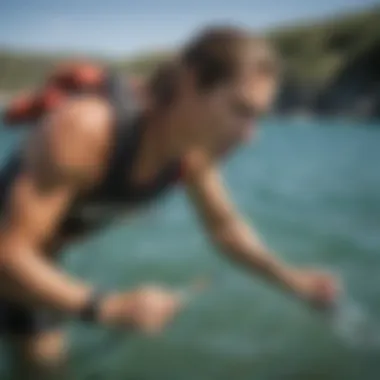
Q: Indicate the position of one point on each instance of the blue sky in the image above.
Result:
(119, 28)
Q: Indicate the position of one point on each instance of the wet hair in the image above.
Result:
(216, 55)
(163, 82)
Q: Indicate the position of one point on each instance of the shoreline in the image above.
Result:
(294, 117)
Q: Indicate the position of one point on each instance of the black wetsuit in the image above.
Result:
(108, 200)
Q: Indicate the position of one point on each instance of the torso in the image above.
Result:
(116, 194)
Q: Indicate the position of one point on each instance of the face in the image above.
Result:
(227, 115)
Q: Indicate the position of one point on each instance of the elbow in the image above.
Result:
(8, 270)
(14, 264)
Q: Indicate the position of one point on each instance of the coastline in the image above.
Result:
(297, 116)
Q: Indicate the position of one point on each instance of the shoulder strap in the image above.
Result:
(120, 93)
(129, 127)
(127, 132)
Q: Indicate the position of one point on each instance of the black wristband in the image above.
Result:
(90, 311)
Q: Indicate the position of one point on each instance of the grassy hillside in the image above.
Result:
(20, 70)
(315, 53)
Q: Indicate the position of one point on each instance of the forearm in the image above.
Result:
(238, 242)
(31, 279)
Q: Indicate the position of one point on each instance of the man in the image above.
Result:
(96, 150)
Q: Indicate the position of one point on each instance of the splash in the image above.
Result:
(354, 324)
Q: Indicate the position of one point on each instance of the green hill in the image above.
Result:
(18, 70)
(316, 55)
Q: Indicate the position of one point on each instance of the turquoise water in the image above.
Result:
(313, 192)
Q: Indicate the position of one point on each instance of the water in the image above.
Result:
(313, 192)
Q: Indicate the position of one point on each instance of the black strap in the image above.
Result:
(127, 130)
(121, 95)
(90, 312)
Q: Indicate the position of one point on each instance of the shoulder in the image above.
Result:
(84, 123)
(75, 137)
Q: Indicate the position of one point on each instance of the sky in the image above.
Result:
(121, 28)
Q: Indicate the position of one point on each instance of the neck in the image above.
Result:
(163, 127)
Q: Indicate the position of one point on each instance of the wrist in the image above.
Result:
(291, 280)
(116, 309)
(91, 308)
(284, 275)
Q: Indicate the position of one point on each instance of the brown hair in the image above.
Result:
(163, 82)
(216, 54)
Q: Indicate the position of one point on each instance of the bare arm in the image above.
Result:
(232, 234)
(57, 165)
(66, 157)
(226, 226)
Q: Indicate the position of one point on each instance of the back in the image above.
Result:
(116, 192)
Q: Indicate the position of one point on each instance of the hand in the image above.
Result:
(318, 288)
(148, 309)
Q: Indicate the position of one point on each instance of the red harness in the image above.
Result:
(64, 81)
